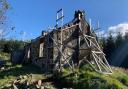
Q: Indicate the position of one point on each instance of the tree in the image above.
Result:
(12, 45)
(126, 36)
(4, 6)
(102, 43)
(109, 47)
(119, 40)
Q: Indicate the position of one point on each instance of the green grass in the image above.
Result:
(88, 79)
(12, 72)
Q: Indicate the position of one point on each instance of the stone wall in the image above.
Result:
(72, 43)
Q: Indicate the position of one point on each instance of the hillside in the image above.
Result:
(89, 79)
(30, 76)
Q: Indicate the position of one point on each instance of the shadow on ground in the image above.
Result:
(18, 70)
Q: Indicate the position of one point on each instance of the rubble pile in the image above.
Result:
(28, 82)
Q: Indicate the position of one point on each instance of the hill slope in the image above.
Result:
(86, 78)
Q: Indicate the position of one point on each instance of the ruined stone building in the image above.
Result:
(66, 46)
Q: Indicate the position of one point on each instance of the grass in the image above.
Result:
(10, 73)
(88, 79)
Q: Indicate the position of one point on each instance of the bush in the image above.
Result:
(8, 46)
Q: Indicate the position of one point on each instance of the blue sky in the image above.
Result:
(33, 16)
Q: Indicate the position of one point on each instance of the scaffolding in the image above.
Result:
(98, 63)
(73, 44)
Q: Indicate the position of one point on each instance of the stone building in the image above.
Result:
(63, 46)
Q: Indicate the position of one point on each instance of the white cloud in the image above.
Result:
(122, 27)
(101, 33)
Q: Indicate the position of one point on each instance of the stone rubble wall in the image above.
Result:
(71, 36)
